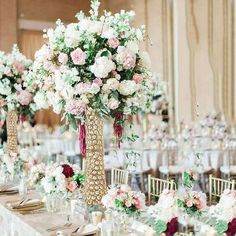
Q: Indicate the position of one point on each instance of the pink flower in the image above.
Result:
(2, 103)
(189, 203)
(24, 97)
(113, 42)
(63, 58)
(126, 58)
(19, 67)
(137, 78)
(125, 188)
(82, 88)
(78, 56)
(199, 205)
(75, 107)
(72, 186)
(98, 82)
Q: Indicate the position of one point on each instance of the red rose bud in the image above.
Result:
(67, 171)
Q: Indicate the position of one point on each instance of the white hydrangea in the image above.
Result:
(102, 67)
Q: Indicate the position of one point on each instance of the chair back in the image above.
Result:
(156, 186)
(217, 186)
(119, 176)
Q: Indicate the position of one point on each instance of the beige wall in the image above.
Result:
(193, 47)
(36, 11)
(191, 43)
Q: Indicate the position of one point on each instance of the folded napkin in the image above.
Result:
(8, 189)
(27, 205)
(86, 230)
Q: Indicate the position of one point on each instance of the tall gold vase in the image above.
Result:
(95, 183)
(12, 132)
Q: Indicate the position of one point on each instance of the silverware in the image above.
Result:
(78, 229)
(67, 225)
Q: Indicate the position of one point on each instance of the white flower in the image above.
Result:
(94, 89)
(111, 84)
(41, 100)
(133, 46)
(72, 36)
(113, 103)
(139, 34)
(127, 87)
(102, 67)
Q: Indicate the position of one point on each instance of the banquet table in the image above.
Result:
(36, 223)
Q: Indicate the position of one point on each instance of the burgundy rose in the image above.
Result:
(231, 228)
(172, 227)
(67, 170)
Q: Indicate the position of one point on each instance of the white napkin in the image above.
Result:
(87, 230)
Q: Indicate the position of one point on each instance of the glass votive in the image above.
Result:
(96, 217)
(108, 215)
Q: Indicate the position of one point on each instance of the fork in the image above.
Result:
(67, 225)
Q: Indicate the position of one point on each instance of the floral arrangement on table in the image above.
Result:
(224, 213)
(94, 64)
(159, 97)
(12, 164)
(123, 199)
(192, 203)
(188, 178)
(37, 173)
(14, 92)
(62, 179)
(164, 214)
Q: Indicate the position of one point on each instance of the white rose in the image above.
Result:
(127, 87)
(84, 99)
(113, 83)
(102, 67)
(113, 103)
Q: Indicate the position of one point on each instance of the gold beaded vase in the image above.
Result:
(11, 120)
(95, 182)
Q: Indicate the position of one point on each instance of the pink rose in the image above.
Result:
(19, 67)
(126, 58)
(137, 78)
(75, 107)
(63, 58)
(113, 42)
(98, 82)
(2, 103)
(24, 97)
(71, 186)
(189, 203)
(78, 56)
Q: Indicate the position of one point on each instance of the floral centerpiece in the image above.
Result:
(62, 179)
(96, 64)
(191, 202)
(188, 178)
(91, 69)
(224, 213)
(37, 173)
(14, 94)
(158, 91)
(123, 199)
(12, 165)
(164, 214)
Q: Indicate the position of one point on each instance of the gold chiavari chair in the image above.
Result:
(156, 186)
(119, 176)
(217, 186)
